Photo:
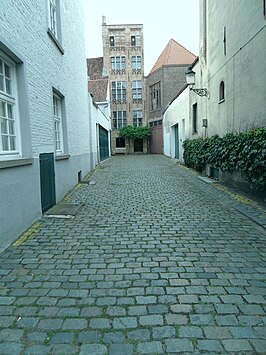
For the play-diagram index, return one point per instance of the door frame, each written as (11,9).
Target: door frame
(47,181)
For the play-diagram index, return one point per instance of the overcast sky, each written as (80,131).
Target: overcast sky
(162,20)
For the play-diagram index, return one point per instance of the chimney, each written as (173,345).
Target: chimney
(103,20)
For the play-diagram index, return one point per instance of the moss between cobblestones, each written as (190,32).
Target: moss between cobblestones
(50,333)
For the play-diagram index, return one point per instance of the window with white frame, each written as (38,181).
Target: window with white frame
(54,26)
(136,62)
(119,119)
(8,107)
(118,91)
(118,63)
(137,89)
(53,17)
(137,118)
(58,124)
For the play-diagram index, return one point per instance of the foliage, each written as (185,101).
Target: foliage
(245,152)
(135,132)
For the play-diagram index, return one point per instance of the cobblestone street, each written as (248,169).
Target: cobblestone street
(156,261)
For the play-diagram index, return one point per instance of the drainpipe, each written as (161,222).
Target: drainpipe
(203,31)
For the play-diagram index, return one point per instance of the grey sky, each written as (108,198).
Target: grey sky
(162,20)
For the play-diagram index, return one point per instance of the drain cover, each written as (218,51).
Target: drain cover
(64,209)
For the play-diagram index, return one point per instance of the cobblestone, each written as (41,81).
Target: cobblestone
(155,261)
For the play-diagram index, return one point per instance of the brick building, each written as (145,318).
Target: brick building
(123,63)
(166,78)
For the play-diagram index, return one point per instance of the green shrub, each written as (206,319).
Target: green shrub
(135,132)
(245,152)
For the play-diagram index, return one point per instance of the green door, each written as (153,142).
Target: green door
(176,142)
(103,143)
(47,179)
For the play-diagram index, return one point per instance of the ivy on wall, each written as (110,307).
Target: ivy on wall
(135,132)
(244,152)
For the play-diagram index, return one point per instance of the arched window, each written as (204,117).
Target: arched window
(221,91)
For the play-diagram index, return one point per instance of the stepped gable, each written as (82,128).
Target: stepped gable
(174,54)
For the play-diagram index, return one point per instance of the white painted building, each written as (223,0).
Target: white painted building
(231,66)
(100,127)
(175,125)
(45,146)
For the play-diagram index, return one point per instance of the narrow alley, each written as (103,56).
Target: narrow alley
(155,261)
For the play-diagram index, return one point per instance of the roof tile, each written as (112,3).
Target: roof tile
(173,54)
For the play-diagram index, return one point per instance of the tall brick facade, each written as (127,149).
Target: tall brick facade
(123,58)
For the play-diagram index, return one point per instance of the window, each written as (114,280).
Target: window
(137,118)
(54,28)
(58,123)
(194,118)
(137,89)
(120,142)
(53,17)
(118,63)
(224,39)
(112,41)
(118,90)
(9,120)
(136,62)
(120,119)
(133,41)
(221,92)
(155,96)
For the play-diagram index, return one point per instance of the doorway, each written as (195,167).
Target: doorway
(176,141)
(47,180)
(138,146)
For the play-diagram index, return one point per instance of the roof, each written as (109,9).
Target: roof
(97,83)
(95,68)
(98,88)
(174,54)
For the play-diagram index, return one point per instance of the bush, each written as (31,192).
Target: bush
(135,132)
(245,152)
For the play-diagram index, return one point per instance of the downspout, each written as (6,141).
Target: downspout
(203,49)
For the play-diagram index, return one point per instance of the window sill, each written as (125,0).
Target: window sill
(14,163)
(55,40)
(62,157)
(221,101)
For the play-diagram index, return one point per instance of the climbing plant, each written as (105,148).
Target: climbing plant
(135,132)
(245,152)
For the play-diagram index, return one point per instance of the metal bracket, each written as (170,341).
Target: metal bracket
(201,92)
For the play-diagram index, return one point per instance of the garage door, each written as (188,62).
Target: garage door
(103,143)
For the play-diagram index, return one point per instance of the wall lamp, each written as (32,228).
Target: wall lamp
(190,77)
